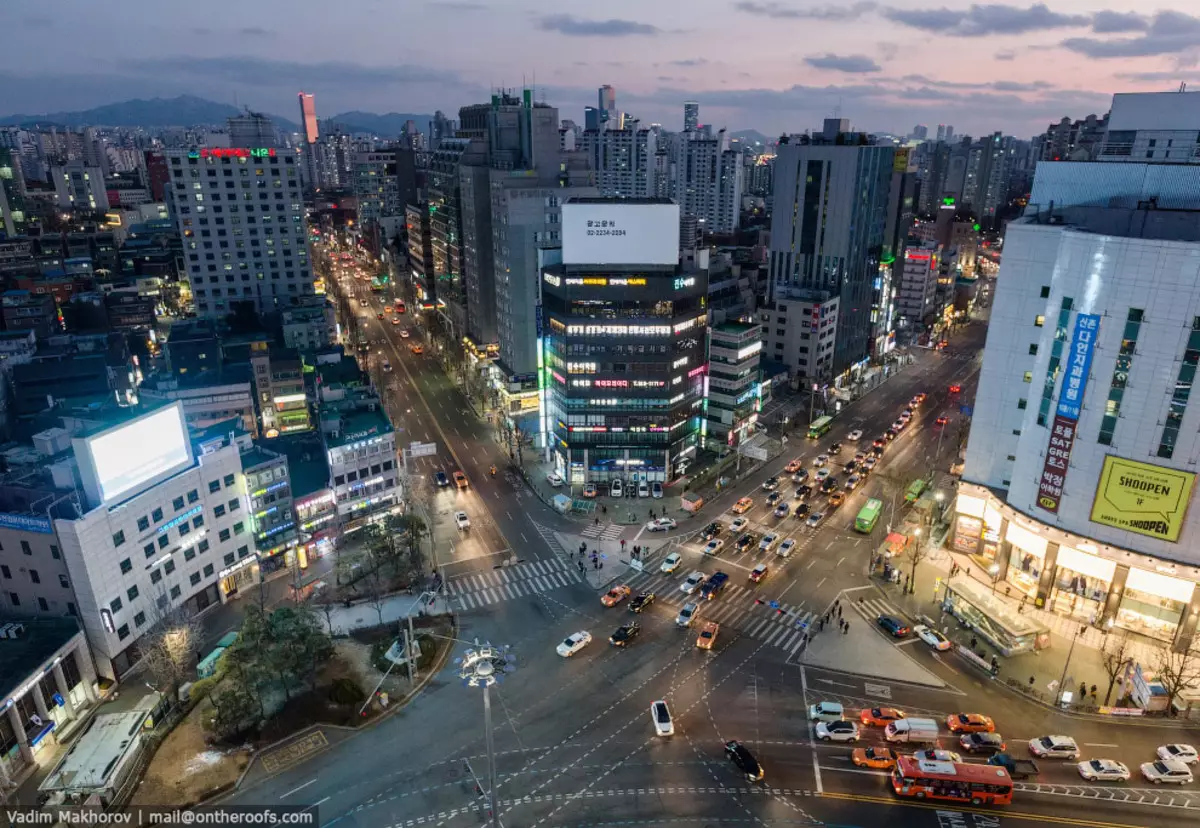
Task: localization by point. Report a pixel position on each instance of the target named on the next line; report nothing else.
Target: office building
(273, 519)
(79, 188)
(691, 116)
(917, 287)
(735, 388)
(360, 445)
(1153, 126)
(708, 180)
(279, 390)
(623, 361)
(309, 156)
(240, 215)
(252, 129)
(384, 181)
(624, 160)
(799, 330)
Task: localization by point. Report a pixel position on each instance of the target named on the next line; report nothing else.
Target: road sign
(774, 605)
(422, 449)
(965, 410)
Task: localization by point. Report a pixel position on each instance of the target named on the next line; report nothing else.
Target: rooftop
(258, 456)
(736, 327)
(1146, 222)
(19, 657)
(356, 424)
(343, 372)
(308, 466)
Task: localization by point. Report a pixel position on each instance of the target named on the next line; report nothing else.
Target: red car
(954, 389)
(941, 421)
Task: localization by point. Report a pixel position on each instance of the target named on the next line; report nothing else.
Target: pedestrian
(604, 510)
(601, 565)
(846, 628)
(595, 564)
(1093, 693)
(974, 641)
(597, 521)
(1031, 682)
(839, 612)
(968, 572)
(820, 625)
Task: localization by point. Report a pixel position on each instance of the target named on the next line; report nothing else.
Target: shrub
(346, 691)
(429, 647)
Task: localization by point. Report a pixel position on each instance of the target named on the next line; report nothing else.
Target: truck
(1017, 768)
(912, 731)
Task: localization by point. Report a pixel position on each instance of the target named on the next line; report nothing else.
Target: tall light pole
(1067, 664)
(482, 666)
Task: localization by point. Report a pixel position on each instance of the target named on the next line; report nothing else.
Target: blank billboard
(620, 233)
(124, 458)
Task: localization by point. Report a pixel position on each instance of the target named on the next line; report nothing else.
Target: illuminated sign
(184, 518)
(606, 281)
(615, 330)
(684, 282)
(679, 363)
(290, 398)
(551, 279)
(27, 523)
(622, 233)
(699, 369)
(223, 152)
(1139, 497)
(612, 383)
(750, 350)
(1066, 416)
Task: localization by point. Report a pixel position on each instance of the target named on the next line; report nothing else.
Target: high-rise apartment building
(384, 181)
(308, 118)
(707, 180)
(691, 116)
(624, 159)
(12, 193)
(79, 187)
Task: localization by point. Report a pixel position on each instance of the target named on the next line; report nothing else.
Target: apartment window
(63, 582)
(115, 605)
(149, 550)
(218, 510)
(177, 504)
(139, 619)
(34, 576)
(155, 577)
(243, 551)
(208, 570)
(229, 479)
(175, 592)
(126, 566)
(1028, 376)
(223, 535)
(229, 559)
(194, 578)
(1012, 457)
(156, 515)
(25, 547)
(1045, 291)
(42, 605)
(143, 523)
(14, 599)
(1033, 350)
(1039, 320)
(189, 553)
(184, 528)
(214, 486)
(119, 538)
(123, 632)
(197, 521)
(1021, 403)
(164, 541)
(202, 547)
(169, 567)
(54, 553)
(1183, 390)
(1120, 376)
(234, 505)
(238, 528)
(193, 496)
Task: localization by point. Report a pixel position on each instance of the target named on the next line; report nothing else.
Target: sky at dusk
(772, 66)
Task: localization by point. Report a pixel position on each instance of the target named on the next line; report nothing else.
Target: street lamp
(1067, 664)
(482, 666)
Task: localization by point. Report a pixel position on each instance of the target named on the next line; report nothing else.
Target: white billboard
(126, 457)
(620, 233)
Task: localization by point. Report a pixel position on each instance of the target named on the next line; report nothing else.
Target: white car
(713, 546)
(932, 637)
(814, 520)
(786, 548)
(1054, 747)
(1178, 753)
(1103, 770)
(821, 460)
(661, 716)
(671, 562)
(656, 489)
(574, 642)
(738, 525)
(1167, 770)
(687, 615)
(843, 731)
(555, 479)
(616, 489)
(854, 436)
(768, 542)
(404, 334)
(937, 755)
(692, 583)
(661, 525)
(462, 521)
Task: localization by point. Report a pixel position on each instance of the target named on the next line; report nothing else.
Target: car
(687, 614)
(738, 525)
(932, 637)
(880, 441)
(956, 388)
(641, 601)
(711, 531)
(892, 625)
(768, 542)
(387, 366)
(462, 521)
(786, 547)
(880, 716)
(937, 755)
(794, 466)
(379, 315)
(616, 488)
(615, 595)
(660, 715)
(1178, 753)
(714, 585)
(744, 760)
(850, 468)
(663, 524)
(814, 520)
(823, 474)
(970, 723)
(555, 479)
(908, 412)
(744, 542)
(854, 436)
(773, 498)
(852, 482)
(941, 421)
(859, 457)
(1103, 770)
(656, 489)
(742, 506)
(440, 479)
(708, 635)
(417, 349)
(802, 492)
(890, 434)
(692, 582)
(643, 489)
(781, 510)
(835, 449)
(573, 643)
(836, 499)
(758, 573)
(1167, 770)
(713, 546)
(800, 476)
(770, 484)
(917, 400)
(982, 742)
(897, 426)
(870, 463)
(1054, 747)
(461, 481)
(821, 460)
(404, 334)
(625, 634)
(589, 490)
(671, 563)
(873, 757)
(801, 510)
(843, 731)
(829, 483)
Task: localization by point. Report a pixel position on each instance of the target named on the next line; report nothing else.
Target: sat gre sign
(1139, 497)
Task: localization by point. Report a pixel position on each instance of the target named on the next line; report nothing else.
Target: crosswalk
(872, 608)
(480, 589)
(783, 627)
(603, 531)
(551, 541)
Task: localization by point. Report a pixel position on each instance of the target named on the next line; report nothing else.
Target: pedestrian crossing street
(736, 608)
(603, 531)
(480, 589)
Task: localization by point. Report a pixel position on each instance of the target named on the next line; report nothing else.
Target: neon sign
(232, 152)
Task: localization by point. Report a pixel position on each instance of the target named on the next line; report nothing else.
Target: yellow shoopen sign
(1149, 500)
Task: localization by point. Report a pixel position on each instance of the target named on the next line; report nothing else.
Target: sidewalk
(342, 620)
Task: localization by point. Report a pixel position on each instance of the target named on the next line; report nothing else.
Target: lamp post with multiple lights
(483, 665)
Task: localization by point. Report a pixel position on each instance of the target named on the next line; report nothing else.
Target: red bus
(951, 781)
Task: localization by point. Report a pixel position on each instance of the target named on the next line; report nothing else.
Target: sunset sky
(771, 66)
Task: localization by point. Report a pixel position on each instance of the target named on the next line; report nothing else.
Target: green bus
(915, 489)
(868, 516)
(819, 427)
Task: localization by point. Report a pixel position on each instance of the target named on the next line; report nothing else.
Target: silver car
(687, 615)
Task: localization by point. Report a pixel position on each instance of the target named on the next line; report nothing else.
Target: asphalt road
(574, 740)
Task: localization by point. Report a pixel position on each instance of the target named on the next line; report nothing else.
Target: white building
(1083, 447)
(240, 213)
(79, 187)
(361, 447)
(1153, 126)
(624, 160)
(799, 329)
(918, 284)
(707, 180)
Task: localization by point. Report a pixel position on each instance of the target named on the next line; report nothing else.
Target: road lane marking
(315, 804)
(1098, 744)
(297, 788)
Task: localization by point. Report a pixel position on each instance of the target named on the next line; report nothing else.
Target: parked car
(555, 479)
(892, 625)
(616, 488)
(656, 489)
(643, 489)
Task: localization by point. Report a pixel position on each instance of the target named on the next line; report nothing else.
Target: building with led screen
(622, 330)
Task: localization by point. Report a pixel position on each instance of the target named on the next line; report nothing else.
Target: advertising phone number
(606, 232)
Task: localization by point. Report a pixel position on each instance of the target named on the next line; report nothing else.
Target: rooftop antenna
(1183, 86)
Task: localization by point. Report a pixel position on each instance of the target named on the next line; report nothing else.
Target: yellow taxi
(873, 757)
(837, 499)
(708, 635)
(615, 595)
(417, 349)
(742, 506)
(460, 480)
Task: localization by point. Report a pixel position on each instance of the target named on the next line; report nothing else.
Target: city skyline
(980, 67)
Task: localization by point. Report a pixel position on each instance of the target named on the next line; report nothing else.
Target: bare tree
(1114, 656)
(376, 584)
(1177, 672)
(169, 644)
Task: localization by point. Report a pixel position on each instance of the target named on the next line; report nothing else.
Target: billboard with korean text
(1076, 363)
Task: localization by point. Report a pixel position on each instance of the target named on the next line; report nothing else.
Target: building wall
(28, 555)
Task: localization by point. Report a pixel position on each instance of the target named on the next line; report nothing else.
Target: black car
(714, 585)
(441, 480)
(770, 484)
(982, 743)
(744, 760)
(641, 601)
(773, 498)
(801, 510)
(802, 492)
(850, 468)
(890, 434)
(744, 542)
(836, 448)
(829, 484)
(711, 531)
(625, 634)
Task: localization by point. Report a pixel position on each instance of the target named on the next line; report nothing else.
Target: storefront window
(967, 531)
(1153, 604)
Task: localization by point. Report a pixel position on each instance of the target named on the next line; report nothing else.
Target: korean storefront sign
(1149, 500)
(1066, 416)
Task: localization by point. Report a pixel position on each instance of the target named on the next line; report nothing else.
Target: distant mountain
(185, 110)
(751, 136)
(383, 125)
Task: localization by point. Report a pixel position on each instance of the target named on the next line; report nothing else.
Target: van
(912, 731)
(826, 712)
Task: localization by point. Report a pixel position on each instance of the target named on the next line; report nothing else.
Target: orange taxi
(615, 595)
(708, 635)
(970, 723)
(742, 506)
(837, 499)
(417, 349)
(880, 716)
(795, 465)
(873, 757)
(460, 480)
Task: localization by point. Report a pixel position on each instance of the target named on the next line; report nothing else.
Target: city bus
(868, 516)
(952, 782)
(819, 427)
(914, 491)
